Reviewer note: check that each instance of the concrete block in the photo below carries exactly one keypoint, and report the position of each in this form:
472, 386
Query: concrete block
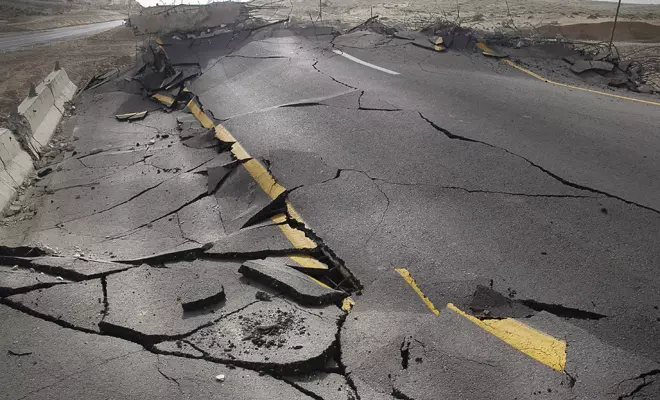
15, 166
44, 111
187, 18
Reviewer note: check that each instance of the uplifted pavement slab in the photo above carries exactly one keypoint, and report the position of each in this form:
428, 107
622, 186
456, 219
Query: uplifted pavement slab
601, 370
327, 386
241, 200
179, 157
21, 280
297, 285
73, 268
440, 356
45, 361
256, 242
145, 303
201, 221
272, 335
80, 305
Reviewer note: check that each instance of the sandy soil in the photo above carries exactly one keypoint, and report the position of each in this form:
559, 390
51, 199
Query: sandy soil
483, 14
81, 59
40, 22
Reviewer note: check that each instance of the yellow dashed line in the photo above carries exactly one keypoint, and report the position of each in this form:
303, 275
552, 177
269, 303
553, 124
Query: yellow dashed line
199, 114
536, 344
408, 278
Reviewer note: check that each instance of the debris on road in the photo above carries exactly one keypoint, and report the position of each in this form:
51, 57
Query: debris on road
581, 66
299, 286
136, 116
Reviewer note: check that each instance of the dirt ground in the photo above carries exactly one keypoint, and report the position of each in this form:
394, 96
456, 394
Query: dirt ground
80, 58
481, 14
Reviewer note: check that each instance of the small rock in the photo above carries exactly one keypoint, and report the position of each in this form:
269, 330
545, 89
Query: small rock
519, 44
645, 89
152, 141
14, 268
263, 296
59, 278
220, 378
70, 147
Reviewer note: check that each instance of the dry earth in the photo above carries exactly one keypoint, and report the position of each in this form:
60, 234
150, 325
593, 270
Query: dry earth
80, 58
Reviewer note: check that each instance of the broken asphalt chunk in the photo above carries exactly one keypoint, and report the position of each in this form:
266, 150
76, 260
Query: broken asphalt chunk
20, 280
217, 175
299, 286
136, 116
201, 139
276, 335
145, 303
164, 99
257, 242
581, 66
242, 201
80, 305
195, 301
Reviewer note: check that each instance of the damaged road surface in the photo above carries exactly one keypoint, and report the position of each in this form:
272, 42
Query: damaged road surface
276, 219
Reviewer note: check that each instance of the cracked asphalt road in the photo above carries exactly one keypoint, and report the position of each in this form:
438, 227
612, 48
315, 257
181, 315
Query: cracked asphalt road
530, 206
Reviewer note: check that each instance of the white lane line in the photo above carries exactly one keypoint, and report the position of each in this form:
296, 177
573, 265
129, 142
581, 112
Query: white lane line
357, 60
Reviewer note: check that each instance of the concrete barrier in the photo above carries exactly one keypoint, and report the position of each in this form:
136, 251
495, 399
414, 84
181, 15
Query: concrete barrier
44, 111
31, 126
15, 166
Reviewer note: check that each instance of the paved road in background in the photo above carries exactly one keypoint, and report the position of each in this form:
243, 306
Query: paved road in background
14, 41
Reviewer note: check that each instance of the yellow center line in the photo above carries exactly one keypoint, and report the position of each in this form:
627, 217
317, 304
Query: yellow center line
535, 344
487, 49
267, 183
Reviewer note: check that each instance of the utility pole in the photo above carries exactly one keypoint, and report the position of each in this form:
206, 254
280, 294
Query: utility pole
616, 17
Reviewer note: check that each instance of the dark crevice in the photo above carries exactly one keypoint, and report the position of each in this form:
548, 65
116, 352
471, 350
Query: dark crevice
397, 394
22, 251
64, 324
562, 311
542, 169
304, 104
299, 388
339, 82
104, 287
338, 357
405, 352
169, 378
642, 385
25, 289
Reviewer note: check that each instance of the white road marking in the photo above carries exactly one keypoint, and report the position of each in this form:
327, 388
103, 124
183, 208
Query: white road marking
357, 60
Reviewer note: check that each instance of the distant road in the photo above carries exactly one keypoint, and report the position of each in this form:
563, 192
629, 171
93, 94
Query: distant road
15, 40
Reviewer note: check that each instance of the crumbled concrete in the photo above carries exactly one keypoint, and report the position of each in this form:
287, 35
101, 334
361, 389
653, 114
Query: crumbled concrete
20, 280
581, 66
187, 18
80, 305
145, 303
273, 335
299, 286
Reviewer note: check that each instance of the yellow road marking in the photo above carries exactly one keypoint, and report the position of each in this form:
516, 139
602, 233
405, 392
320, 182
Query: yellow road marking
537, 76
408, 278
196, 110
487, 49
536, 344
347, 304
167, 100
266, 181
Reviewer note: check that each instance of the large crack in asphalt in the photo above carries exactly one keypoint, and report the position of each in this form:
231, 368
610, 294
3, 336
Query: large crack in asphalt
643, 376
556, 177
